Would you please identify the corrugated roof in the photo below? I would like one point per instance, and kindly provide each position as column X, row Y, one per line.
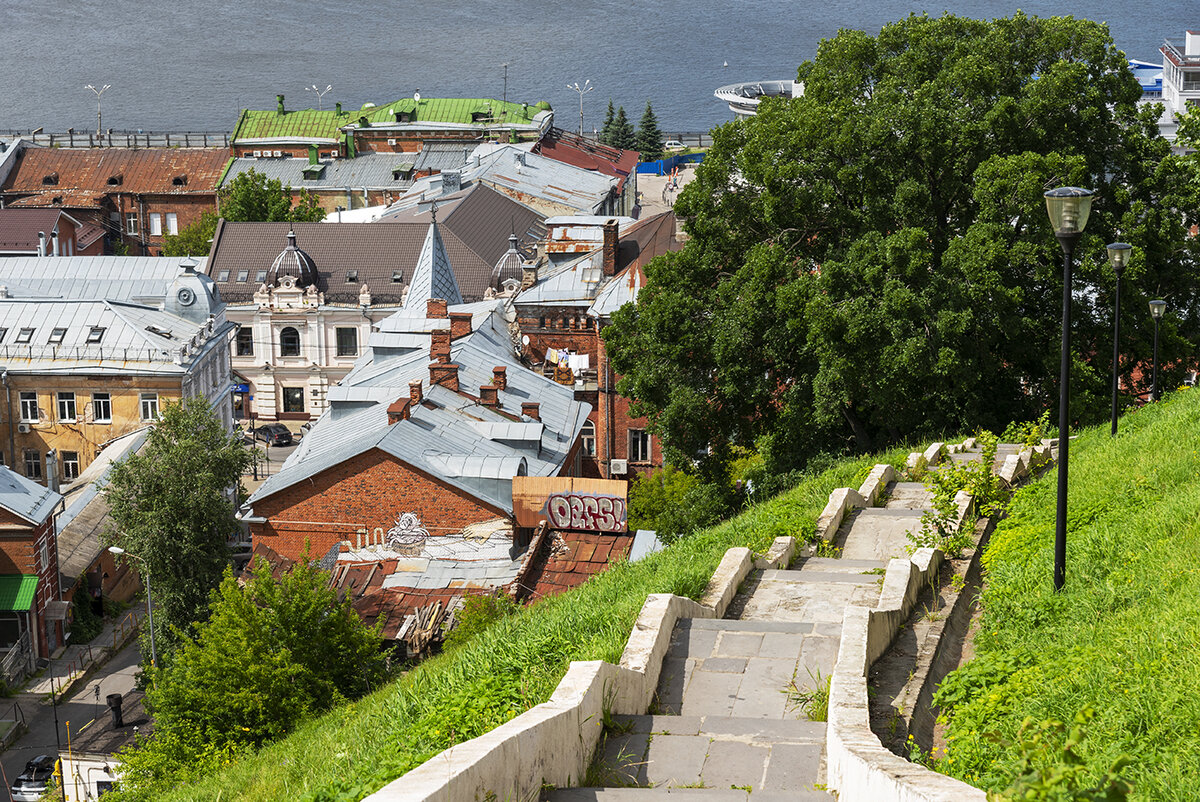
column 24, row 498
column 368, row 171
column 16, row 592
column 113, row 278
column 588, row 154
column 298, row 125
column 148, row 171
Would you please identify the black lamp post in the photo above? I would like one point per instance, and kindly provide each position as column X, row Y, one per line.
column 1118, row 257
column 1156, row 311
column 1068, row 208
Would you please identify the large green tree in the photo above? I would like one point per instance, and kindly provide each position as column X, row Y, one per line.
column 621, row 135
column 872, row 261
column 649, row 137
column 171, row 505
column 271, row 654
column 250, row 198
column 606, row 129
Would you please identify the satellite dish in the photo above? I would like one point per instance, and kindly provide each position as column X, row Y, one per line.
column 417, row 96
column 525, row 339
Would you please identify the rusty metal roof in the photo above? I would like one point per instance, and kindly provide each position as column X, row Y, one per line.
column 100, row 171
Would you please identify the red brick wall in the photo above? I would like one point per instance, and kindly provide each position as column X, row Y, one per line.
column 19, row 550
column 366, row 492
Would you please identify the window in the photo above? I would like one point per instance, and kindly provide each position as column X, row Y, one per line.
column 172, row 223
column 260, row 276
column 347, row 342
column 70, row 465
column 289, row 342
column 44, row 555
column 243, row 275
column 639, row 445
column 245, row 342
column 223, row 275
column 351, row 276
column 57, row 335
column 587, row 437
column 293, row 399
column 149, row 406
column 101, row 408
column 131, row 223
column 33, row 463
column 29, row 407
column 66, row 407
column 25, row 335
column 156, row 224
column 95, row 335
column 397, row 277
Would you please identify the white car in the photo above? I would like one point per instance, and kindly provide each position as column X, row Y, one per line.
column 674, row 144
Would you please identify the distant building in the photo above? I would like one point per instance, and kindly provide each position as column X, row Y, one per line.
column 134, row 196
column 1180, row 81
column 589, row 154
column 47, row 232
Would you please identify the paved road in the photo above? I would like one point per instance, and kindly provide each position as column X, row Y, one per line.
column 115, row 676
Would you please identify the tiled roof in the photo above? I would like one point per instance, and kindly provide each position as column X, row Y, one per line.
column 149, row 171
column 580, row 556
column 19, row 227
column 25, row 498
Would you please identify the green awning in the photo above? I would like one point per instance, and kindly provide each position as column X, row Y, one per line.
column 16, row 592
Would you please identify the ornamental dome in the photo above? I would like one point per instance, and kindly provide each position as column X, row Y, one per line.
column 293, row 262
column 508, row 267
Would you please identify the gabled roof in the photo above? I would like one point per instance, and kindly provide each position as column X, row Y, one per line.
column 48, row 172
column 111, row 278
column 19, row 228
column 588, row 154
column 25, row 498
column 367, row 171
column 432, row 277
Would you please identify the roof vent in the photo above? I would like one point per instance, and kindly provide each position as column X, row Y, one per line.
column 50, row 180
column 116, row 180
column 179, row 180
column 160, row 332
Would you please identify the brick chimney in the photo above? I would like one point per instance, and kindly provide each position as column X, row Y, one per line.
column 488, row 395
column 500, row 377
column 435, row 309
column 445, row 374
column 398, row 411
column 531, row 409
column 414, row 392
column 610, row 248
column 439, row 346
column 529, row 276
column 460, row 324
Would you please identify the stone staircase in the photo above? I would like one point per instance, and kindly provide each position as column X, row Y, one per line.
column 722, row 726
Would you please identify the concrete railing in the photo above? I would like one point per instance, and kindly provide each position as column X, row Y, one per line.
column 552, row 743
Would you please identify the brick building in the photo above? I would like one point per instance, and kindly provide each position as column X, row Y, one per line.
column 47, row 232
column 589, row 154
column 134, row 196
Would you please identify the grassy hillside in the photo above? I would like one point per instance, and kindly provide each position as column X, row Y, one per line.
column 507, row 669
column 1123, row 639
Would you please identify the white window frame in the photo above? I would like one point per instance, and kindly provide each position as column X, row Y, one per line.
column 131, row 223
column 172, row 223
column 26, row 400
column 66, row 407
column 644, row 445
column 70, row 467
column 149, row 406
column 102, row 407
column 155, row 224
column 587, row 437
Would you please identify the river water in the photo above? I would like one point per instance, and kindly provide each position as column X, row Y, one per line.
column 190, row 65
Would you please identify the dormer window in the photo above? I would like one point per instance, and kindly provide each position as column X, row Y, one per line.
column 25, row 336
column 50, row 180
column 95, row 335
column 179, row 181
column 223, row 275
column 116, row 180
column 397, row 277
column 351, row 276
column 243, row 275
column 57, row 335
column 3, row 334
column 261, row 276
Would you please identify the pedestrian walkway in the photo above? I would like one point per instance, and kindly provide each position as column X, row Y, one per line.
column 75, row 661
column 723, row 726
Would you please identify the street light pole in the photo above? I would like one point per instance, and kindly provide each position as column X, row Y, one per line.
column 1156, row 311
column 320, row 94
column 98, row 92
column 118, row 551
column 1068, row 208
column 582, row 90
column 1118, row 257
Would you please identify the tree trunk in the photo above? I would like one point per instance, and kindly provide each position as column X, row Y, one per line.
column 860, row 431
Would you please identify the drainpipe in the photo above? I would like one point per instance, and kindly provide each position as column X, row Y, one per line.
column 142, row 224
column 12, row 437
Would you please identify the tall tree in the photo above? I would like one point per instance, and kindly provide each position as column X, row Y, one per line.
column 271, row 654
column 872, row 261
column 649, row 137
column 622, row 135
column 171, row 506
column 250, row 198
column 606, row 131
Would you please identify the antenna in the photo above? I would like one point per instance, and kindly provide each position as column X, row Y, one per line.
column 320, row 94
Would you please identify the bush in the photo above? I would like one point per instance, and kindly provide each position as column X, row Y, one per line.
column 477, row 614
column 85, row 624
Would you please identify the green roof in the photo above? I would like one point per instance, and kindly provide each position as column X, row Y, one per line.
column 16, row 592
column 314, row 124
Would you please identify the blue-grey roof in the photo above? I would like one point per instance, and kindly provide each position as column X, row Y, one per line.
column 114, row 278
column 368, row 170
column 24, row 498
column 432, row 277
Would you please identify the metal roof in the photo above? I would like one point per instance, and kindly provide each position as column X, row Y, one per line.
column 432, row 277
column 367, row 171
column 149, row 171
column 17, row 591
column 113, row 278
column 24, row 498
column 579, row 151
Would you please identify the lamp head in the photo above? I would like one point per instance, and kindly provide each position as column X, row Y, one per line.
column 1068, row 208
column 117, row 550
column 1118, row 256
column 1157, row 308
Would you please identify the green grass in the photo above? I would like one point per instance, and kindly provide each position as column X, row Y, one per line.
column 507, row 668
column 1124, row 636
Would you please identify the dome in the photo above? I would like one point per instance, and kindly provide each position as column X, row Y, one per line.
column 508, row 267
column 293, row 262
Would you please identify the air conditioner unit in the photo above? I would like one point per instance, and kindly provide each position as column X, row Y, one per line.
column 278, row 154
column 618, row 466
column 391, row 142
column 24, row 428
column 258, row 154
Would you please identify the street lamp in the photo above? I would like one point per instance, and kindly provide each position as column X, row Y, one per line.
column 1118, row 257
column 320, row 94
column 1068, row 208
column 98, row 92
column 118, row 551
column 582, row 90
column 1156, row 311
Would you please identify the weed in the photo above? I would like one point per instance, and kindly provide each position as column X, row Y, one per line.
column 957, row 583
column 940, row 528
column 825, row 548
column 880, row 570
column 813, row 701
column 747, row 788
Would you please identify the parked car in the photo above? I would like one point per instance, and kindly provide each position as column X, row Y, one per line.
column 273, row 434
column 674, row 144
column 31, row 783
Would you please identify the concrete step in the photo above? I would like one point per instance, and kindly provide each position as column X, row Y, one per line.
column 907, row 496
column 725, row 728
column 881, row 533
column 835, row 565
column 684, row 795
column 813, row 577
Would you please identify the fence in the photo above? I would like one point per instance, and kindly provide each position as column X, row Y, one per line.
column 15, row 664
column 667, row 164
column 122, row 139
column 122, row 629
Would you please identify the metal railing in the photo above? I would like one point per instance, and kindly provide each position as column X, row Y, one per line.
column 14, row 664
column 122, row 139
column 84, row 353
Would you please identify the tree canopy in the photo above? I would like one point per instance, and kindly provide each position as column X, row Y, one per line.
column 250, row 198
column 621, row 134
column 606, row 129
column 649, row 137
column 171, row 505
column 872, row 261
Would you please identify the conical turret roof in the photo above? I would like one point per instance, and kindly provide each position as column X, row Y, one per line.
column 433, row 277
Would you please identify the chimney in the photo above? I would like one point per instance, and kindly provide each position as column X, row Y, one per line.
column 54, row 243
column 610, row 248
column 529, row 276
column 337, row 107
column 439, row 346
column 52, row 470
column 398, row 411
column 279, row 104
column 435, row 309
column 41, row 243
column 445, row 374
column 530, row 409
column 488, row 396
column 451, row 180
column 500, row 377
column 460, row 324
column 414, row 392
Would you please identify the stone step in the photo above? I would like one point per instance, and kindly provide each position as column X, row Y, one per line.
column 684, row 795
column 725, row 728
column 839, row 565
column 881, row 534
column 814, row 577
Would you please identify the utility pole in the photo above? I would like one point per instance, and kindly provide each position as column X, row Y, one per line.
column 505, row 97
